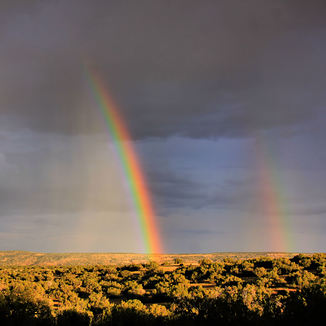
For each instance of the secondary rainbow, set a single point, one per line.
(272, 198)
(131, 166)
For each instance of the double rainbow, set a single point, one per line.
(129, 160)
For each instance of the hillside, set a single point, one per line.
(26, 258)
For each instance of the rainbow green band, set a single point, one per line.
(130, 164)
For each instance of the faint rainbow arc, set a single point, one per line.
(130, 163)
(271, 195)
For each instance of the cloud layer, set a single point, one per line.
(200, 84)
(205, 69)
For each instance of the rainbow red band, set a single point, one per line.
(130, 163)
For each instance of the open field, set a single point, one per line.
(27, 258)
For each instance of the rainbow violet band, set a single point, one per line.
(129, 160)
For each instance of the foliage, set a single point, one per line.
(256, 291)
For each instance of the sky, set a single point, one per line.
(226, 104)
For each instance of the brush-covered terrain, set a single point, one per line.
(24, 258)
(217, 291)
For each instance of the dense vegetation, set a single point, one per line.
(258, 291)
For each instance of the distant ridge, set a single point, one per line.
(27, 258)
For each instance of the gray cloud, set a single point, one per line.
(208, 69)
(308, 211)
(174, 190)
(55, 174)
(203, 69)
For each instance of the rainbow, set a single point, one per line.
(272, 199)
(129, 160)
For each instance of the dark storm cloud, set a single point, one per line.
(174, 190)
(200, 69)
